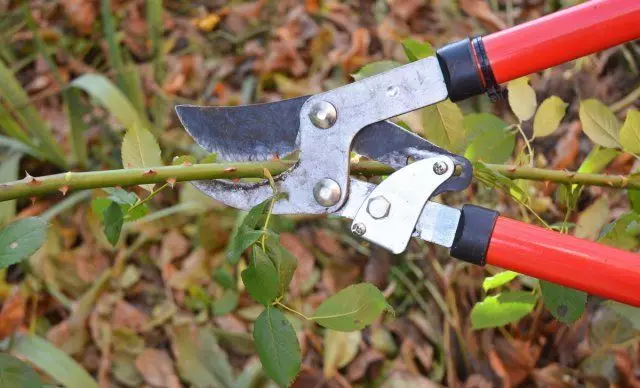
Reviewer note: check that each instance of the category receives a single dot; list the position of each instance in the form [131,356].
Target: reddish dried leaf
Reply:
[306,261]
[81,13]
[12,313]
[157,368]
[481,10]
[127,315]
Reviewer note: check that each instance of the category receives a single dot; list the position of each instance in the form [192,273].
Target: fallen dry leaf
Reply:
[305,259]
[157,369]
[127,315]
[367,363]
[481,10]
[81,13]
[12,313]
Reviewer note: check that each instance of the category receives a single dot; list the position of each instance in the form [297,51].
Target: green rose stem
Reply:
[35,186]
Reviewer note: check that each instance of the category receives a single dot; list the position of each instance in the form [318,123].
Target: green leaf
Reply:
[113,221]
[597,159]
[224,278]
[283,261]
[599,123]
[622,233]
[374,68]
[52,361]
[522,98]
[140,150]
[548,116]
[592,219]
[498,310]
[184,159]
[226,303]
[241,240]
[211,158]
[277,346]
[352,308]
[122,196]
[494,179]
[244,234]
[498,280]
[634,200]
[566,304]
[261,278]
[18,374]
[109,96]
[443,125]
[417,50]
[489,138]
[632,314]
[630,132]
[20,239]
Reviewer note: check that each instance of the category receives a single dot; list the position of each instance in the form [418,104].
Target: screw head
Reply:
[440,168]
[323,114]
[358,229]
[327,192]
[378,207]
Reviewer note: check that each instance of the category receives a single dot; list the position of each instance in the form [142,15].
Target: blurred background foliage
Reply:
[158,304]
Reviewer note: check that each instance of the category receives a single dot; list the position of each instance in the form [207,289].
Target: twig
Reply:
[32,186]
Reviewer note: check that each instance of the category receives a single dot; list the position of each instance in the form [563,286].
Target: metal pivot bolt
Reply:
[327,192]
[323,114]
[440,168]
[358,229]
[378,207]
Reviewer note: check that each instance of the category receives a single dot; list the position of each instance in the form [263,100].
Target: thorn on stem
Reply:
[150,173]
[230,169]
[64,190]
[32,180]
[171,182]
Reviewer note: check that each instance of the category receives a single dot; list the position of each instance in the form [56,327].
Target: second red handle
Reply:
[594,268]
[561,37]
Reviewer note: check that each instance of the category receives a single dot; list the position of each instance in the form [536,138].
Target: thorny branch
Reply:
[36,186]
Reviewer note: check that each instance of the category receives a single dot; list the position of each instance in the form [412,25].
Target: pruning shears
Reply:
[324,128]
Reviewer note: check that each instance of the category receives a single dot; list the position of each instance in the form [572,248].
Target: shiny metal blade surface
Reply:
[245,133]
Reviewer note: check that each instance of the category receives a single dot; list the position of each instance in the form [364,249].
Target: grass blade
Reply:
[75,109]
[18,102]
[71,98]
[127,79]
[52,361]
[159,105]
[104,91]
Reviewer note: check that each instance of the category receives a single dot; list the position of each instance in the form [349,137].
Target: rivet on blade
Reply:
[323,115]
[440,168]
[359,229]
[327,192]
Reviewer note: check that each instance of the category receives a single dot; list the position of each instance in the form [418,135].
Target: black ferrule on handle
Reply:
[461,73]
[467,71]
[473,235]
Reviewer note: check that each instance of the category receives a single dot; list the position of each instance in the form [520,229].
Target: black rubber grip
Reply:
[473,234]
[461,73]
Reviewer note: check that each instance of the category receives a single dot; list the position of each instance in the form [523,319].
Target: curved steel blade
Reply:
[264,131]
[245,133]
[383,141]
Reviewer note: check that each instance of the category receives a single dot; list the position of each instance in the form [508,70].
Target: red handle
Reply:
[569,261]
[562,36]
